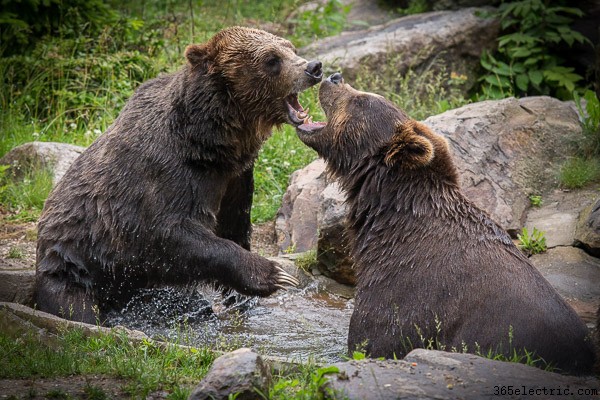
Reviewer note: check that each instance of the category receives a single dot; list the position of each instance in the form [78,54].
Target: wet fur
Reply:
[430,264]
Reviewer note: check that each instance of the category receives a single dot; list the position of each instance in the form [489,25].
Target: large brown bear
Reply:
[164,195]
[432,268]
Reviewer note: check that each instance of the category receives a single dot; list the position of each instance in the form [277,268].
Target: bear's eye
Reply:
[273,65]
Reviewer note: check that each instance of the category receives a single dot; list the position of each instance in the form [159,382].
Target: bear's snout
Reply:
[335,78]
[314,70]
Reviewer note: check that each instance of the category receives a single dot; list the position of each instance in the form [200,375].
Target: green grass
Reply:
[146,366]
[24,197]
[419,93]
[579,172]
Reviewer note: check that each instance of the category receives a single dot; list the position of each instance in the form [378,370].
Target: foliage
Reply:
[533,243]
[524,63]
[24,22]
[15,252]
[146,365]
[589,108]
[24,196]
[414,7]
[535,200]
[307,260]
[578,172]
[327,19]
[419,93]
[306,384]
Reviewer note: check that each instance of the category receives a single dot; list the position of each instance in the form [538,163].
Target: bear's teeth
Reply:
[308,120]
[301,114]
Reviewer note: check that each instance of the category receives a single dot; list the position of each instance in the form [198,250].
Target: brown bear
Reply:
[163,197]
[432,268]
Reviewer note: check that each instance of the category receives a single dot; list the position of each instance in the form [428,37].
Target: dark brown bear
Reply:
[432,268]
[164,195]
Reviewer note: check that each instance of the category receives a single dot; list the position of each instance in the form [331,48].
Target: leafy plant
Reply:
[327,19]
[307,260]
[524,63]
[535,200]
[15,252]
[533,243]
[590,111]
[414,7]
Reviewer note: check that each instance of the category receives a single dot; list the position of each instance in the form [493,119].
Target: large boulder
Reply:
[432,374]
[455,39]
[509,149]
[57,157]
[296,220]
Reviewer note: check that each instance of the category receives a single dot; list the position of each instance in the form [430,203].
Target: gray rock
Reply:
[431,374]
[575,275]
[240,372]
[587,233]
[558,215]
[56,325]
[58,157]
[506,150]
[455,39]
[296,221]
[16,285]
[332,248]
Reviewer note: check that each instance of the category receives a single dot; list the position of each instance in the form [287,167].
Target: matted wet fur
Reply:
[164,195]
[433,270]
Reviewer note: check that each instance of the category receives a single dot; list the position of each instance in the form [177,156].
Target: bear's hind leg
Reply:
[55,296]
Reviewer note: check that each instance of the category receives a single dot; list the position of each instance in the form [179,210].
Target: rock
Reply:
[332,248]
[56,325]
[455,39]
[558,215]
[241,372]
[576,277]
[16,286]
[506,150]
[587,233]
[431,374]
[296,220]
[58,157]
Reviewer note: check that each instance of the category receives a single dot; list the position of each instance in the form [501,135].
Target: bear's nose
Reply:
[313,69]
[335,78]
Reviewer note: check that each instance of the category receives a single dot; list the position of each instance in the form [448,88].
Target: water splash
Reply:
[297,324]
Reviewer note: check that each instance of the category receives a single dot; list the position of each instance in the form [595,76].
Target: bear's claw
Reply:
[284,278]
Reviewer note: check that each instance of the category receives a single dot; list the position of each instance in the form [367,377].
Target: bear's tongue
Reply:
[311,127]
[296,112]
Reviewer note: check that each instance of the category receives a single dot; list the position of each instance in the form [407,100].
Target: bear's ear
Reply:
[196,53]
[409,148]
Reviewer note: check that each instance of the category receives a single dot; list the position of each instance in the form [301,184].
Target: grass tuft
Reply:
[579,172]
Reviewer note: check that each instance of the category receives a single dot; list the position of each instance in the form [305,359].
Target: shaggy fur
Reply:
[164,195]
[432,268]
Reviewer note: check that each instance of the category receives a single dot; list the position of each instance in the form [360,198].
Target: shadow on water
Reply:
[297,324]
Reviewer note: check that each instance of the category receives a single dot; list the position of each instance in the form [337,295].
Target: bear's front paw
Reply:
[266,278]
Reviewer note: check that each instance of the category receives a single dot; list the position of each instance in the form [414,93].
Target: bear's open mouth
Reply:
[296,113]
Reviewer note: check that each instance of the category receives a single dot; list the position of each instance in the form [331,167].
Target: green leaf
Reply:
[536,77]
[522,82]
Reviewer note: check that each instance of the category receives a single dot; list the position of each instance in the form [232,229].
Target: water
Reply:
[296,325]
